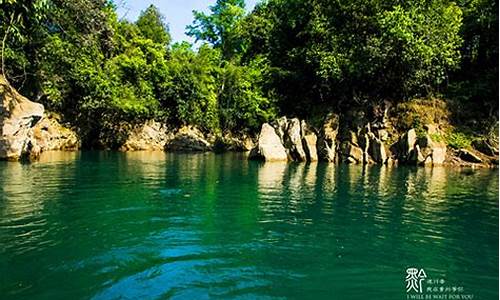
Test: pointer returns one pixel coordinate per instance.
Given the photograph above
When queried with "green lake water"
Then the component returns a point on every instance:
(105, 225)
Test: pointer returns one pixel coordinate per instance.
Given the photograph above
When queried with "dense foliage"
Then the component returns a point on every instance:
(299, 57)
(475, 84)
(345, 53)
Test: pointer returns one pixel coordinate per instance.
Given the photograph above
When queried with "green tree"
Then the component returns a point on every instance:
(349, 53)
(220, 28)
(152, 25)
(16, 18)
(189, 94)
(245, 102)
(475, 85)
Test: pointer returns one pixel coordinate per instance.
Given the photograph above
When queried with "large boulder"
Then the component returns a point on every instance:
(416, 156)
(293, 140)
(281, 127)
(298, 139)
(18, 116)
(377, 149)
(425, 150)
(51, 135)
(269, 146)
(406, 145)
(237, 143)
(150, 135)
(438, 154)
(309, 141)
(433, 152)
(188, 139)
(351, 153)
(326, 145)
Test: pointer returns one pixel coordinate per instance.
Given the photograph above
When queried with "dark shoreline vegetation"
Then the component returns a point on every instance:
(428, 68)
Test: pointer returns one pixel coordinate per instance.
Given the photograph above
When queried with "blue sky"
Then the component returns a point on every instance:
(178, 13)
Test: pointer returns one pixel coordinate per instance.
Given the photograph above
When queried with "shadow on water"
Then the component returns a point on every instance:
(108, 225)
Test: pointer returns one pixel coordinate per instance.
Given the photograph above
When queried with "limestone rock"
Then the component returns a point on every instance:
(310, 141)
(326, 144)
(438, 154)
(298, 139)
(18, 116)
(241, 143)
(405, 150)
(377, 150)
(433, 152)
(351, 153)
(364, 144)
(293, 140)
(383, 135)
(188, 139)
(407, 144)
(151, 135)
(353, 138)
(50, 135)
(416, 155)
(269, 146)
(326, 150)
(281, 127)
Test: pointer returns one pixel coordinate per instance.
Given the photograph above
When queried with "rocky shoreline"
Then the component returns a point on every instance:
(26, 130)
(293, 140)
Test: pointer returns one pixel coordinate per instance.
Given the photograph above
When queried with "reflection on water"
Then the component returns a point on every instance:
(107, 225)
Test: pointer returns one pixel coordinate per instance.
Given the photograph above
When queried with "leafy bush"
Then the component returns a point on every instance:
(243, 103)
(459, 140)
(417, 113)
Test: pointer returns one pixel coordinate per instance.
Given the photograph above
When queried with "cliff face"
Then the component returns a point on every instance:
(353, 137)
(18, 116)
(50, 135)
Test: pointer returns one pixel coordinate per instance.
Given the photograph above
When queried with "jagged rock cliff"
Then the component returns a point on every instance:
(286, 139)
(269, 146)
(51, 135)
(354, 138)
(18, 116)
(189, 139)
(150, 135)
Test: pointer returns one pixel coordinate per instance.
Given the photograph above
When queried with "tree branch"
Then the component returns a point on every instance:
(4, 40)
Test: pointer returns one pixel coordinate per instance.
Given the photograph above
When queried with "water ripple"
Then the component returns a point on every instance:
(102, 225)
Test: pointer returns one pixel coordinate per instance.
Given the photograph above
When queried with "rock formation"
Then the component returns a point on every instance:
(18, 116)
(238, 143)
(149, 136)
(426, 150)
(326, 144)
(286, 139)
(377, 149)
(50, 135)
(188, 139)
(269, 146)
(351, 141)
(351, 153)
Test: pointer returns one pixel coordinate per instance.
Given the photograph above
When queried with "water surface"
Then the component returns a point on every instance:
(103, 225)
